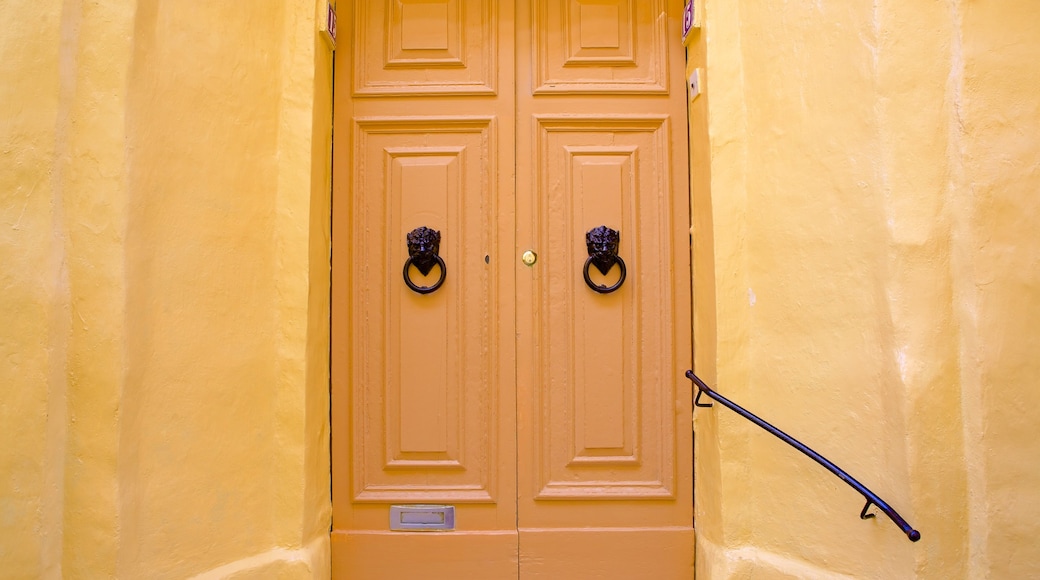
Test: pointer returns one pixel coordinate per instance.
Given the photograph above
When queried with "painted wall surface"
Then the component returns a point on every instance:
(865, 260)
(866, 278)
(164, 244)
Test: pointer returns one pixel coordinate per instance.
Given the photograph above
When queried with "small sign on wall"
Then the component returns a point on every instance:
(328, 25)
(690, 20)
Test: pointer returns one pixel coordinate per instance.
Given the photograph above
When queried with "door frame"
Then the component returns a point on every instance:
(703, 182)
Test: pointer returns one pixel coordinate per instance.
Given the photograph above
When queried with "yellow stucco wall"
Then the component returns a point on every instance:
(865, 250)
(866, 278)
(164, 240)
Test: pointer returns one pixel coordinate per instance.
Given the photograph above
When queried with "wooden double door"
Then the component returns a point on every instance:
(516, 421)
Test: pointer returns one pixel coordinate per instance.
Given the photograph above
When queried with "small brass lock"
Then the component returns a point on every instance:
(529, 258)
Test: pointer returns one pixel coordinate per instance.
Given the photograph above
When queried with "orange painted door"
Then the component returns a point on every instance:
(547, 421)
(604, 445)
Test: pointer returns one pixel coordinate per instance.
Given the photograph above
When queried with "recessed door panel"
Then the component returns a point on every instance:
(425, 47)
(600, 46)
(605, 427)
(423, 420)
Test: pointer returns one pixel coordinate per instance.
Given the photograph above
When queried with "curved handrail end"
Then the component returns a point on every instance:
(871, 497)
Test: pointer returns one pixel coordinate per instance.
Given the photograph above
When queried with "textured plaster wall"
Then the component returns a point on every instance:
(164, 240)
(865, 249)
(866, 278)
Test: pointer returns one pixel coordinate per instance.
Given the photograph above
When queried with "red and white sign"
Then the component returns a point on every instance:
(330, 25)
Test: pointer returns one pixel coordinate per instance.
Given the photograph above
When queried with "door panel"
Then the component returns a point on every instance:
(605, 482)
(600, 46)
(423, 385)
(424, 417)
(603, 426)
(552, 417)
(410, 47)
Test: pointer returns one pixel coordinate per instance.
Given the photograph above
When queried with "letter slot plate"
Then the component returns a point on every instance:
(421, 518)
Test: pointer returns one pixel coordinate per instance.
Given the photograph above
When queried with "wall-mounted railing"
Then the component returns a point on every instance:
(871, 497)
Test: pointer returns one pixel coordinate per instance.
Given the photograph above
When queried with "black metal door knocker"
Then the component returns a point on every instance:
(603, 245)
(423, 247)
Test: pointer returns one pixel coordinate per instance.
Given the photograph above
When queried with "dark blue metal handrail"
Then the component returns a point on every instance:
(871, 497)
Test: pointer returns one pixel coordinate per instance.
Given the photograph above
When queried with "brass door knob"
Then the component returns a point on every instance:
(529, 258)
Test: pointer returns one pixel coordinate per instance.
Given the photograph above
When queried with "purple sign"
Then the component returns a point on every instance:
(687, 19)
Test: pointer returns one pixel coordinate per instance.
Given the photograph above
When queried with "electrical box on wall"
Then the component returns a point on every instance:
(696, 81)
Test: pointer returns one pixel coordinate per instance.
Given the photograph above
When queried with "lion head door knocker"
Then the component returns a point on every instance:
(603, 245)
(423, 247)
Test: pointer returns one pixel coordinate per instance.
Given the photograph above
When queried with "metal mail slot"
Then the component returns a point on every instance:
(422, 517)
